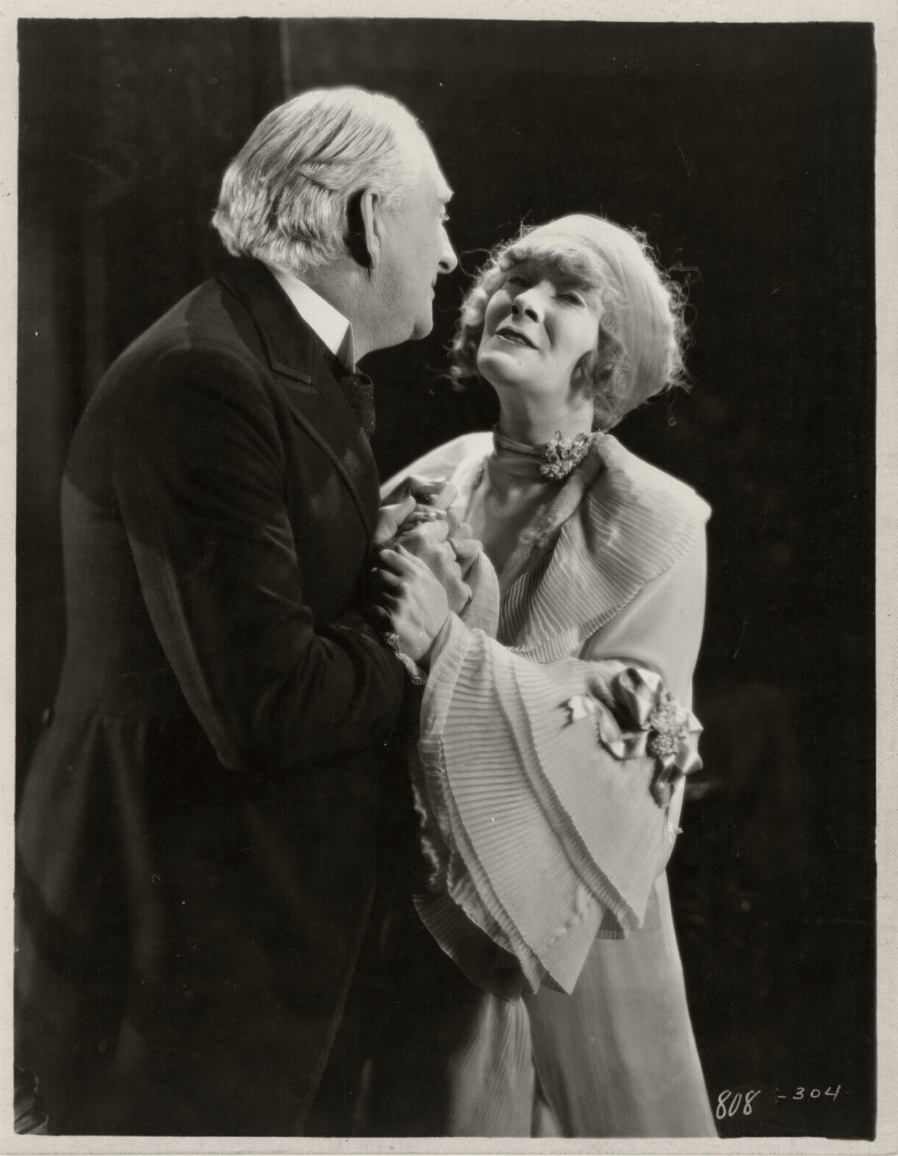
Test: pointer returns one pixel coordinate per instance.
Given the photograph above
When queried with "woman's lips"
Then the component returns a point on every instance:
(514, 336)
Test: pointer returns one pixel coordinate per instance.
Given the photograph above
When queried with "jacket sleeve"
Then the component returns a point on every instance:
(200, 481)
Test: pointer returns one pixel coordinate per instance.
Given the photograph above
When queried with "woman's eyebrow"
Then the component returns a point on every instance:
(556, 266)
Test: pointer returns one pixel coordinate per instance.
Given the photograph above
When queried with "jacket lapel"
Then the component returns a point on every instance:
(298, 359)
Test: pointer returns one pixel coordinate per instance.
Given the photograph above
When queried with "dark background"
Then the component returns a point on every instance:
(746, 153)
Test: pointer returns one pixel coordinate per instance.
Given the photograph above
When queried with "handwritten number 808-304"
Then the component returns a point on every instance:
(731, 1103)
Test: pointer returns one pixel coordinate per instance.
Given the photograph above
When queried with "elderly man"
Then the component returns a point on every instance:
(195, 837)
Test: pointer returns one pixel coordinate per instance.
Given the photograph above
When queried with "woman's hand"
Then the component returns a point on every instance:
(413, 601)
(427, 541)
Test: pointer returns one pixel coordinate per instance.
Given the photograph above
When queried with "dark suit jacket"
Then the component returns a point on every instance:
(196, 831)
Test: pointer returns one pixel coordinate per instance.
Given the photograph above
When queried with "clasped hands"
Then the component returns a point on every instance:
(424, 554)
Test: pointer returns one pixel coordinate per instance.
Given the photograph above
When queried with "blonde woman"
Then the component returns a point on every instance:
(529, 972)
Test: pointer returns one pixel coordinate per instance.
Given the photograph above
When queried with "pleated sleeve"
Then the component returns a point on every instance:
(538, 807)
(548, 771)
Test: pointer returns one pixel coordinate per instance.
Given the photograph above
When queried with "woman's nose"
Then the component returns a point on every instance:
(528, 303)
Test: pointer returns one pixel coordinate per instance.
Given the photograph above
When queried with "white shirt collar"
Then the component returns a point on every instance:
(329, 323)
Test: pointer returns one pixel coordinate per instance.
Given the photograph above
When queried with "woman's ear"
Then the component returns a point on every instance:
(584, 375)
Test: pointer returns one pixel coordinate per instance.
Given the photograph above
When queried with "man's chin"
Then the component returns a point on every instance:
(423, 327)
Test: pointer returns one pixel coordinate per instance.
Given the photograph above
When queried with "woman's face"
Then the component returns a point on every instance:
(538, 325)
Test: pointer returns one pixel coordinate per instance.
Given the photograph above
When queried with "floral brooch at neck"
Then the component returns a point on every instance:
(561, 455)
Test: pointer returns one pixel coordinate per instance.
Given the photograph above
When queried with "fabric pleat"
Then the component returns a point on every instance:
(636, 523)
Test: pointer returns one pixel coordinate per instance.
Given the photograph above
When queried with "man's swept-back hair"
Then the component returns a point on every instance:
(642, 331)
(286, 196)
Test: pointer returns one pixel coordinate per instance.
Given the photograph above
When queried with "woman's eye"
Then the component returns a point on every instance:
(515, 279)
(571, 297)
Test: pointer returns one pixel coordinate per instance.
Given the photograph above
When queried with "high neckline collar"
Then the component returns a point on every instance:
(552, 461)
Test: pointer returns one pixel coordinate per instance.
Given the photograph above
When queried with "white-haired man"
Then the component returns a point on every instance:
(195, 836)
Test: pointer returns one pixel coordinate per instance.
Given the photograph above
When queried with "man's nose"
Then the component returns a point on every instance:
(448, 260)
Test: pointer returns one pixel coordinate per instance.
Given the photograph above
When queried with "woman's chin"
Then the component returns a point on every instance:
(501, 369)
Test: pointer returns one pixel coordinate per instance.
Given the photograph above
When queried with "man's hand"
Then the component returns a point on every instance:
(412, 602)
(390, 518)
(414, 491)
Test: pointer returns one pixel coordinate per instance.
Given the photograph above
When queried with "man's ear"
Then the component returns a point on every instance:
(365, 236)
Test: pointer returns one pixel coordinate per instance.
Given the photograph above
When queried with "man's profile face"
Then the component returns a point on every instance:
(416, 248)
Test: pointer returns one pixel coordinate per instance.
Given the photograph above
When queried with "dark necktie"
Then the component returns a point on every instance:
(359, 391)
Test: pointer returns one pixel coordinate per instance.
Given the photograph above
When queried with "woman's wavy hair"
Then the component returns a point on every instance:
(286, 197)
(642, 332)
